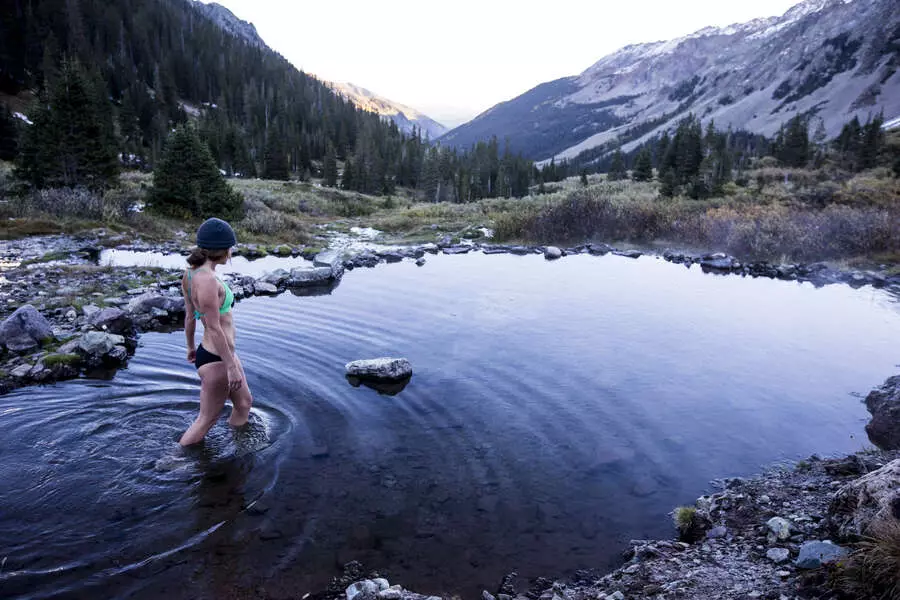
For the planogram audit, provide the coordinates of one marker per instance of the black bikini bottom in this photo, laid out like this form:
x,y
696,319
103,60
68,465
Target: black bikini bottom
x,y
204,357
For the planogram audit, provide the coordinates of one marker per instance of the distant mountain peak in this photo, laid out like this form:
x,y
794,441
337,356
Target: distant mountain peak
x,y
831,59
405,117
230,23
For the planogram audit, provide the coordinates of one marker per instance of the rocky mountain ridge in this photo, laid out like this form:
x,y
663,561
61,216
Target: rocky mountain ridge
x,y
405,117
831,59
230,23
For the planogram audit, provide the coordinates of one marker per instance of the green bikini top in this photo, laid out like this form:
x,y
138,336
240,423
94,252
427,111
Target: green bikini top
x,y
227,302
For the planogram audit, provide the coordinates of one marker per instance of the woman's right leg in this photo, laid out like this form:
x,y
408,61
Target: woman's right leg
x,y
213,391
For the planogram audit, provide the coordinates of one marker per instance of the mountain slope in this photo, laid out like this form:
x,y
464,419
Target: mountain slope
x,y
831,58
405,117
226,19
163,60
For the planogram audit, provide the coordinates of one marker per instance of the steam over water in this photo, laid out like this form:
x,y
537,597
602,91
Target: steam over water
x,y
557,410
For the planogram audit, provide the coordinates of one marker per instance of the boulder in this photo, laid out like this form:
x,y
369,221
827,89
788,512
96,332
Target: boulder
x,y
331,259
114,320
385,369
362,589
629,253
151,302
552,253
816,554
859,507
99,343
719,262
391,256
25,329
264,288
278,277
457,249
600,249
309,276
420,262
884,404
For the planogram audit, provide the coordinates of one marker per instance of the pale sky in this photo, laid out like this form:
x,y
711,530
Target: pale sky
x,y
454,59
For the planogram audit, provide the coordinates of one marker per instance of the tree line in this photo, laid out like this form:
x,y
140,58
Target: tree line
x,y
698,161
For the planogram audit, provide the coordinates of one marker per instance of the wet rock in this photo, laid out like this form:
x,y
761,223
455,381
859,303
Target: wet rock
x,y
457,249
420,262
25,329
362,589
552,253
863,505
719,262
99,343
884,404
331,259
600,249
521,250
778,555
390,369
114,320
310,276
815,554
393,257
264,288
278,277
152,303
629,253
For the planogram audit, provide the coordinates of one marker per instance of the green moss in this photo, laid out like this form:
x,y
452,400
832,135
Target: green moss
x,y
52,360
684,518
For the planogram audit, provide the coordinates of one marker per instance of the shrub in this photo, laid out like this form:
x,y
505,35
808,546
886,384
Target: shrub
x,y
873,571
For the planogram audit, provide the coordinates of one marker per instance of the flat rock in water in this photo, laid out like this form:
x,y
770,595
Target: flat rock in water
x,y
265,288
380,368
457,249
303,276
552,253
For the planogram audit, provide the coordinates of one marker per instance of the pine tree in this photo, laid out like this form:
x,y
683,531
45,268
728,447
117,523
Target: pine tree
x,y
617,168
643,165
275,164
668,187
187,183
329,169
9,135
71,142
347,181
584,178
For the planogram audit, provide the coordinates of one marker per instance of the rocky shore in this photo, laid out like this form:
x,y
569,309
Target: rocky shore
x,y
790,533
787,533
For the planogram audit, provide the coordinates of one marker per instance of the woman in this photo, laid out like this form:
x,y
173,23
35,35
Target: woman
x,y
209,299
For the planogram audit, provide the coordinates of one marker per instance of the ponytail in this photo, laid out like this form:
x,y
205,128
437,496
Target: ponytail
x,y
199,256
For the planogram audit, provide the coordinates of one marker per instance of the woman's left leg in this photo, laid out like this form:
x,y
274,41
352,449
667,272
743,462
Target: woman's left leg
x,y
241,399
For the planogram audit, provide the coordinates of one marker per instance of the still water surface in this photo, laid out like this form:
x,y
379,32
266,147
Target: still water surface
x,y
557,410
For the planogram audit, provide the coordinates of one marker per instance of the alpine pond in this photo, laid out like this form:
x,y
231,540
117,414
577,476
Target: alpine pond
x,y
558,409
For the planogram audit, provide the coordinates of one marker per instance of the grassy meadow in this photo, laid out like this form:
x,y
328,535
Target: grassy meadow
x,y
778,214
